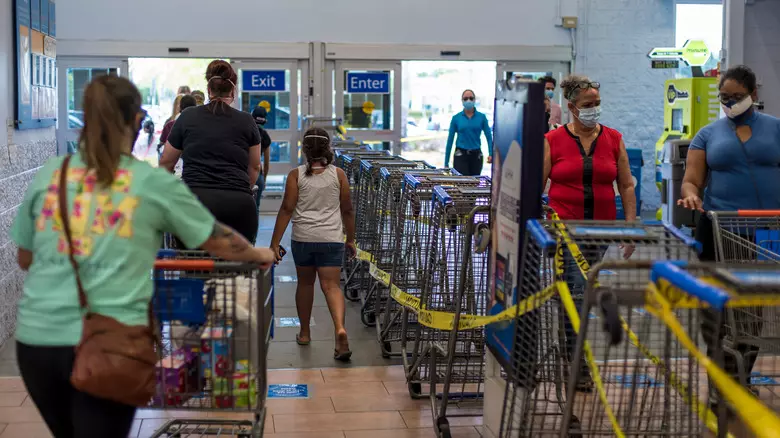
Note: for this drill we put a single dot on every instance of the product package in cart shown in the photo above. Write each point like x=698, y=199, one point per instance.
x=178, y=378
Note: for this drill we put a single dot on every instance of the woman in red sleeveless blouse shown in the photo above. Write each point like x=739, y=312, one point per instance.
x=582, y=161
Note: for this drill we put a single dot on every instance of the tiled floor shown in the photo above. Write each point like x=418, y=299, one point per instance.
x=363, y=402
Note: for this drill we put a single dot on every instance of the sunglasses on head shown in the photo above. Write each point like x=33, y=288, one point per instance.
x=471, y=98
x=585, y=86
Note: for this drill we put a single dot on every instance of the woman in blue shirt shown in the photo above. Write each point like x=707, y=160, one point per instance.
x=469, y=125
x=735, y=161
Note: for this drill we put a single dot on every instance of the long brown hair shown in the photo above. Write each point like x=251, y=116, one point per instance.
x=176, y=107
x=111, y=107
x=316, y=148
x=221, y=83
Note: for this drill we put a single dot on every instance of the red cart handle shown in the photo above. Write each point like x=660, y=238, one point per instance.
x=758, y=213
x=184, y=265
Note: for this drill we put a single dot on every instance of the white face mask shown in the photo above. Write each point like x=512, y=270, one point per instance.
x=589, y=116
x=733, y=110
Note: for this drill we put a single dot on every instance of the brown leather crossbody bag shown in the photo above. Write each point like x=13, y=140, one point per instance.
x=113, y=361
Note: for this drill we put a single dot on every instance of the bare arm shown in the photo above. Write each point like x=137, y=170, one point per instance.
x=547, y=163
x=24, y=258
x=694, y=180
x=286, y=211
x=228, y=244
x=347, y=211
x=169, y=157
x=625, y=183
x=266, y=162
x=254, y=164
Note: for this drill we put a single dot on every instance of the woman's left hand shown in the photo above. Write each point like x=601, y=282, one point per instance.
x=489, y=159
x=628, y=250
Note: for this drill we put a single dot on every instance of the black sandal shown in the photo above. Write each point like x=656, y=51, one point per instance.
x=345, y=356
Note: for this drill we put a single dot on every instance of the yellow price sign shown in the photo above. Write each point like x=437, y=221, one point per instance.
x=368, y=107
x=265, y=104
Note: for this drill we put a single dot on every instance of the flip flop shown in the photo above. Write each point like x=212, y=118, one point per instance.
x=342, y=357
x=300, y=342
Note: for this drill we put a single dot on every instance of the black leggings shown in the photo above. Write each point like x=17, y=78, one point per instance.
x=233, y=208
x=68, y=413
x=468, y=161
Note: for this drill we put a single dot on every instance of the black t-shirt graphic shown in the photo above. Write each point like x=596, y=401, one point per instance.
x=215, y=147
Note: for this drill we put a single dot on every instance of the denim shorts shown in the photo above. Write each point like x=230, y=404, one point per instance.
x=318, y=255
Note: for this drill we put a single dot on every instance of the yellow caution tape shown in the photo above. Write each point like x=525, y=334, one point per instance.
x=761, y=420
x=446, y=320
x=702, y=410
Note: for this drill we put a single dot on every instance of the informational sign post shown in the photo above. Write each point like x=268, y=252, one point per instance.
x=263, y=80
x=518, y=152
x=377, y=82
x=36, y=52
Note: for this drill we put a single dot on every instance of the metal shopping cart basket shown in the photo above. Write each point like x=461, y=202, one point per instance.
x=215, y=320
x=444, y=354
x=388, y=249
x=376, y=226
x=409, y=267
x=742, y=388
x=747, y=236
x=621, y=383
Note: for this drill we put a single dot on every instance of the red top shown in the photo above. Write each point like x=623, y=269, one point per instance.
x=582, y=187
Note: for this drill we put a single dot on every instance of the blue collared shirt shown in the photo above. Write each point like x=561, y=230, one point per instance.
x=741, y=176
x=469, y=131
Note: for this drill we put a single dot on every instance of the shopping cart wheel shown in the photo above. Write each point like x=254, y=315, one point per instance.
x=575, y=427
x=368, y=317
x=444, y=428
x=387, y=349
x=612, y=324
x=415, y=390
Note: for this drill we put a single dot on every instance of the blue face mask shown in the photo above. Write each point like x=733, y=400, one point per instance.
x=468, y=104
x=549, y=93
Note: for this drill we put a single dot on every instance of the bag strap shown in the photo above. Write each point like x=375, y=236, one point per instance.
x=63, y=204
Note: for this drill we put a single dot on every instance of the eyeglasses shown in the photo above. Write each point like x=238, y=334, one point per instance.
x=725, y=98
x=583, y=86
x=471, y=98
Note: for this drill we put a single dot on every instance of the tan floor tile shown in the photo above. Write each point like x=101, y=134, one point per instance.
x=300, y=406
x=400, y=387
x=338, y=434
x=392, y=402
x=26, y=430
x=11, y=384
x=28, y=402
x=424, y=418
x=334, y=422
x=457, y=432
x=294, y=376
x=364, y=374
x=22, y=414
x=336, y=389
x=12, y=398
x=143, y=414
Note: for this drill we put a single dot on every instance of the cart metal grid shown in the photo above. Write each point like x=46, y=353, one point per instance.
x=388, y=321
x=633, y=376
x=410, y=264
x=744, y=308
x=215, y=321
x=457, y=284
x=746, y=236
x=377, y=235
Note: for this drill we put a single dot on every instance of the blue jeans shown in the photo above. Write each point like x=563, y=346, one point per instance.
x=318, y=254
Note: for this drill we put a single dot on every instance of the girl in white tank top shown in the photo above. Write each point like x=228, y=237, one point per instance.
x=317, y=201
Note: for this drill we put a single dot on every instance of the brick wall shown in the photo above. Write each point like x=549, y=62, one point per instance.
x=762, y=49
x=21, y=154
x=613, y=41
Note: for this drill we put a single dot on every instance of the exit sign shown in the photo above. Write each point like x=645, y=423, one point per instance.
x=664, y=63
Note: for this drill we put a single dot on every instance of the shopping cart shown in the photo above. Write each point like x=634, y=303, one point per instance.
x=445, y=354
x=747, y=236
x=215, y=321
x=334, y=125
x=742, y=387
x=410, y=264
x=388, y=252
x=570, y=378
x=376, y=227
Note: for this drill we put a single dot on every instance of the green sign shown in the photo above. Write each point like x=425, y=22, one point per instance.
x=664, y=63
x=693, y=53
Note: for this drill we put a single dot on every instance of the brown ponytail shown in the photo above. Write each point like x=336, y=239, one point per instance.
x=221, y=79
x=111, y=106
x=316, y=148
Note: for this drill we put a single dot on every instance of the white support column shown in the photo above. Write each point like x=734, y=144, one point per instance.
x=317, y=80
x=733, y=33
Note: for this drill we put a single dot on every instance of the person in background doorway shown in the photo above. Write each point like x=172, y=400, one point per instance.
x=115, y=257
x=734, y=163
x=176, y=108
x=317, y=200
x=260, y=115
x=184, y=89
x=549, y=91
x=220, y=148
x=583, y=160
x=468, y=125
x=186, y=101
x=143, y=145
x=200, y=98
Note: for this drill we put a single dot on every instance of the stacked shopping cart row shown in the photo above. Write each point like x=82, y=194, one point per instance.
x=215, y=321
x=614, y=354
x=418, y=271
